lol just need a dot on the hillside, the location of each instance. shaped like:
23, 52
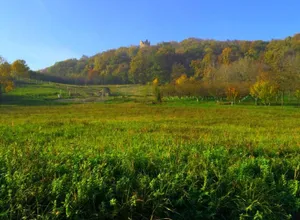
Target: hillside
167, 61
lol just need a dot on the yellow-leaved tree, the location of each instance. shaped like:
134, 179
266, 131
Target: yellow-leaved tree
156, 90
6, 83
225, 58
264, 90
9, 71
19, 68
181, 80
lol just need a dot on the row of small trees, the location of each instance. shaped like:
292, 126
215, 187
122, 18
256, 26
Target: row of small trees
262, 90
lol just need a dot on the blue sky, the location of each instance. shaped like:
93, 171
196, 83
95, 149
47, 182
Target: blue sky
45, 31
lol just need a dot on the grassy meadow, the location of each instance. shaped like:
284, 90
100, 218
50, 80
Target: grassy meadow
122, 158
31, 92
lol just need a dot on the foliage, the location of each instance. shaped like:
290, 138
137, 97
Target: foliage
9, 71
232, 94
177, 70
19, 68
181, 80
156, 90
6, 84
192, 67
264, 90
165, 61
213, 66
297, 95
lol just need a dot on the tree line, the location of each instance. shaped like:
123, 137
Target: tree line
9, 72
267, 70
166, 61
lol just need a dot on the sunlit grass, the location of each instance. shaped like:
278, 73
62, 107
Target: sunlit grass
139, 161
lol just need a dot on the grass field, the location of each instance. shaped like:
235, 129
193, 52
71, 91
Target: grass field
32, 93
132, 160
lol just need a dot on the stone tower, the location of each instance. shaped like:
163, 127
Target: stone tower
145, 43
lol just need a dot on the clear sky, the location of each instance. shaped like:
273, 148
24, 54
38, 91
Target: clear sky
45, 31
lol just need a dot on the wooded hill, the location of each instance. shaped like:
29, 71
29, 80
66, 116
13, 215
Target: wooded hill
217, 67
167, 61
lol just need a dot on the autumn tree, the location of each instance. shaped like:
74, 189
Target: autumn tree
19, 68
297, 95
182, 86
281, 59
232, 93
291, 73
163, 60
226, 56
6, 83
140, 66
240, 74
198, 68
93, 75
177, 70
264, 90
216, 65
157, 91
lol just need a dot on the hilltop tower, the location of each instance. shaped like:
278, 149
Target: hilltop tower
145, 43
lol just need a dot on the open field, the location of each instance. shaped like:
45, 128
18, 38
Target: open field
31, 92
131, 160
137, 161
135, 110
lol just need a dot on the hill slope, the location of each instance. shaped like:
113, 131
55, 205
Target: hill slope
167, 61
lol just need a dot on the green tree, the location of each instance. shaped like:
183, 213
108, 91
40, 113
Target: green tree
198, 68
140, 66
297, 95
178, 69
278, 57
164, 58
157, 91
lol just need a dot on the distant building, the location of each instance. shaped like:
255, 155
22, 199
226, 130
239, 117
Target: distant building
145, 43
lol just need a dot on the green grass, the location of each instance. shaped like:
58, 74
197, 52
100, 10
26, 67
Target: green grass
38, 94
176, 160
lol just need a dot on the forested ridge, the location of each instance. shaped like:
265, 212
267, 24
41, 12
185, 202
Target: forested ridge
267, 70
201, 59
